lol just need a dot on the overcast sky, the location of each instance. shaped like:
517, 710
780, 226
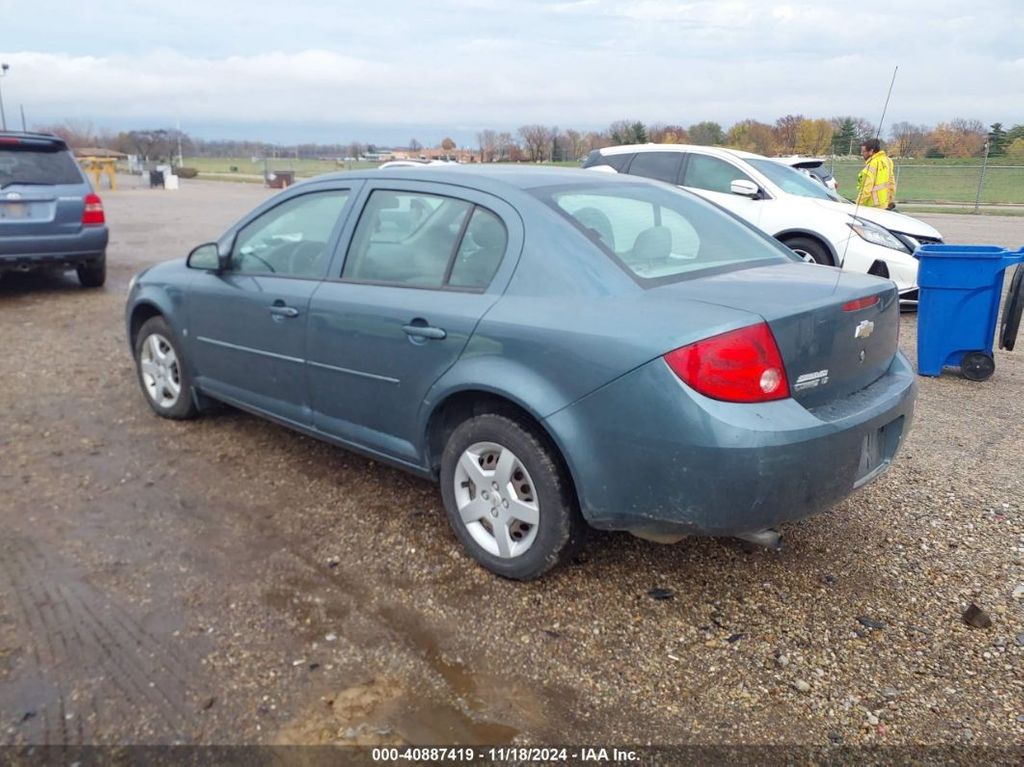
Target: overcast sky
305, 70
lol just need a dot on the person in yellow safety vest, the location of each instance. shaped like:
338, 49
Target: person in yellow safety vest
876, 183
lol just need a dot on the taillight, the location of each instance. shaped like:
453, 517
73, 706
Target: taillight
92, 213
740, 366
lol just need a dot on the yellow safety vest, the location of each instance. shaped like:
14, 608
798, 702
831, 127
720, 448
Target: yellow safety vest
876, 183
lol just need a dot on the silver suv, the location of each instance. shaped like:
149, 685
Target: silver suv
50, 217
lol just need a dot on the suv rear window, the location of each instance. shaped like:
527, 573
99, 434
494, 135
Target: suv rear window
37, 166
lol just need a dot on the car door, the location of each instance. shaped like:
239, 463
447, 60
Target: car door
247, 323
421, 268
710, 177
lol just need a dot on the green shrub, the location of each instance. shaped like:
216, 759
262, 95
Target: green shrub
187, 172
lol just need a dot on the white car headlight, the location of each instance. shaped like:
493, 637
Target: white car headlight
876, 234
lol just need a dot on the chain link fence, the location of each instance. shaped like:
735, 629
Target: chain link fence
994, 184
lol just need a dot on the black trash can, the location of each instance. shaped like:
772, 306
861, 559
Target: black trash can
156, 179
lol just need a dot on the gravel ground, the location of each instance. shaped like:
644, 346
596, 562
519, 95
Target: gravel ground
228, 581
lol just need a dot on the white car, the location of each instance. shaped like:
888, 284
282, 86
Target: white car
814, 222
814, 167
412, 163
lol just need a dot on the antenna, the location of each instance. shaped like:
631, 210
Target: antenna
878, 134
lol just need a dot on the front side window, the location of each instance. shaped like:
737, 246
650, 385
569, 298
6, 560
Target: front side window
661, 166
659, 234
290, 239
424, 240
704, 172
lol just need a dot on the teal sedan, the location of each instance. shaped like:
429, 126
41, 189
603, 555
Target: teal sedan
558, 349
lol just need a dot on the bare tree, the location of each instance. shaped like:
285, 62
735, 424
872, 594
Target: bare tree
787, 130
536, 141
506, 145
908, 139
76, 133
488, 142
577, 144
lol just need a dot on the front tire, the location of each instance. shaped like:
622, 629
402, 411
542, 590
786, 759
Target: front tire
508, 498
811, 251
94, 273
162, 371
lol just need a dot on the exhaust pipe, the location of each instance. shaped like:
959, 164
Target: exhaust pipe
770, 538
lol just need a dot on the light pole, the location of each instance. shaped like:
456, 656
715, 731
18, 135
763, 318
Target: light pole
3, 117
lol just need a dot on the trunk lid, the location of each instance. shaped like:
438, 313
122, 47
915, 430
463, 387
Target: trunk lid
30, 210
830, 344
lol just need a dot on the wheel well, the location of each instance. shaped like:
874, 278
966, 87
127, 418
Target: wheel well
142, 314
786, 237
466, 404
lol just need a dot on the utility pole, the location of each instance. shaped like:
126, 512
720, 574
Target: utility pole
3, 73
23, 128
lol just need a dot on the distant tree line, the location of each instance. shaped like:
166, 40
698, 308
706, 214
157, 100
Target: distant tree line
792, 134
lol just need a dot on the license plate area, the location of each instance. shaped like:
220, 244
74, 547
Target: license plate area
14, 210
877, 450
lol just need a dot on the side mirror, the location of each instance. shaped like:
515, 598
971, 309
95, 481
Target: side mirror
206, 256
745, 188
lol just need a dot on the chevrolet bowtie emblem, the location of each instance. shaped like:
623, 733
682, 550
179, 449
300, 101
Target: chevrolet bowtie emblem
864, 329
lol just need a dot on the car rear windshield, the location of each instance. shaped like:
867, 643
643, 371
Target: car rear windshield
37, 166
659, 234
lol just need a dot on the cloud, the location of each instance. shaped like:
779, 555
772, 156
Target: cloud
481, 62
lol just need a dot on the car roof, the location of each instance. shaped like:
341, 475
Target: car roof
493, 178
715, 151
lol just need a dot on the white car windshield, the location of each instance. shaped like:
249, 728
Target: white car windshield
792, 181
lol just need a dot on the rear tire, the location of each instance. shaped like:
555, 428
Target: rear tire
508, 498
811, 251
162, 371
94, 273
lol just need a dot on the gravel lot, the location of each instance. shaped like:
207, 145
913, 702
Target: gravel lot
228, 581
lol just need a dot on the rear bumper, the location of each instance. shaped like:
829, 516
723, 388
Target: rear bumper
655, 457
53, 251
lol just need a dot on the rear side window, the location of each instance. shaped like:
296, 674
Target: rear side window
415, 239
661, 166
703, 172
35, 166
659, 234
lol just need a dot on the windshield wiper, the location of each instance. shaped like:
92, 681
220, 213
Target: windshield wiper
6, 184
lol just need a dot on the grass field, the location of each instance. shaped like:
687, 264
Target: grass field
919, 181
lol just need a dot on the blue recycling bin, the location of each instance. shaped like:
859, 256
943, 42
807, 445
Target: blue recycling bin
960, 290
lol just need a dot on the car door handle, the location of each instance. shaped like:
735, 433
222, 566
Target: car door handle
278, 309
424, 331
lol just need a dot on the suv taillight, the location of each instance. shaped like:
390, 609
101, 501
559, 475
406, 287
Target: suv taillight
92, 213
740, 366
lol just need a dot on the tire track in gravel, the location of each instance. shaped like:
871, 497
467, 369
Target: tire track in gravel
88, 662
